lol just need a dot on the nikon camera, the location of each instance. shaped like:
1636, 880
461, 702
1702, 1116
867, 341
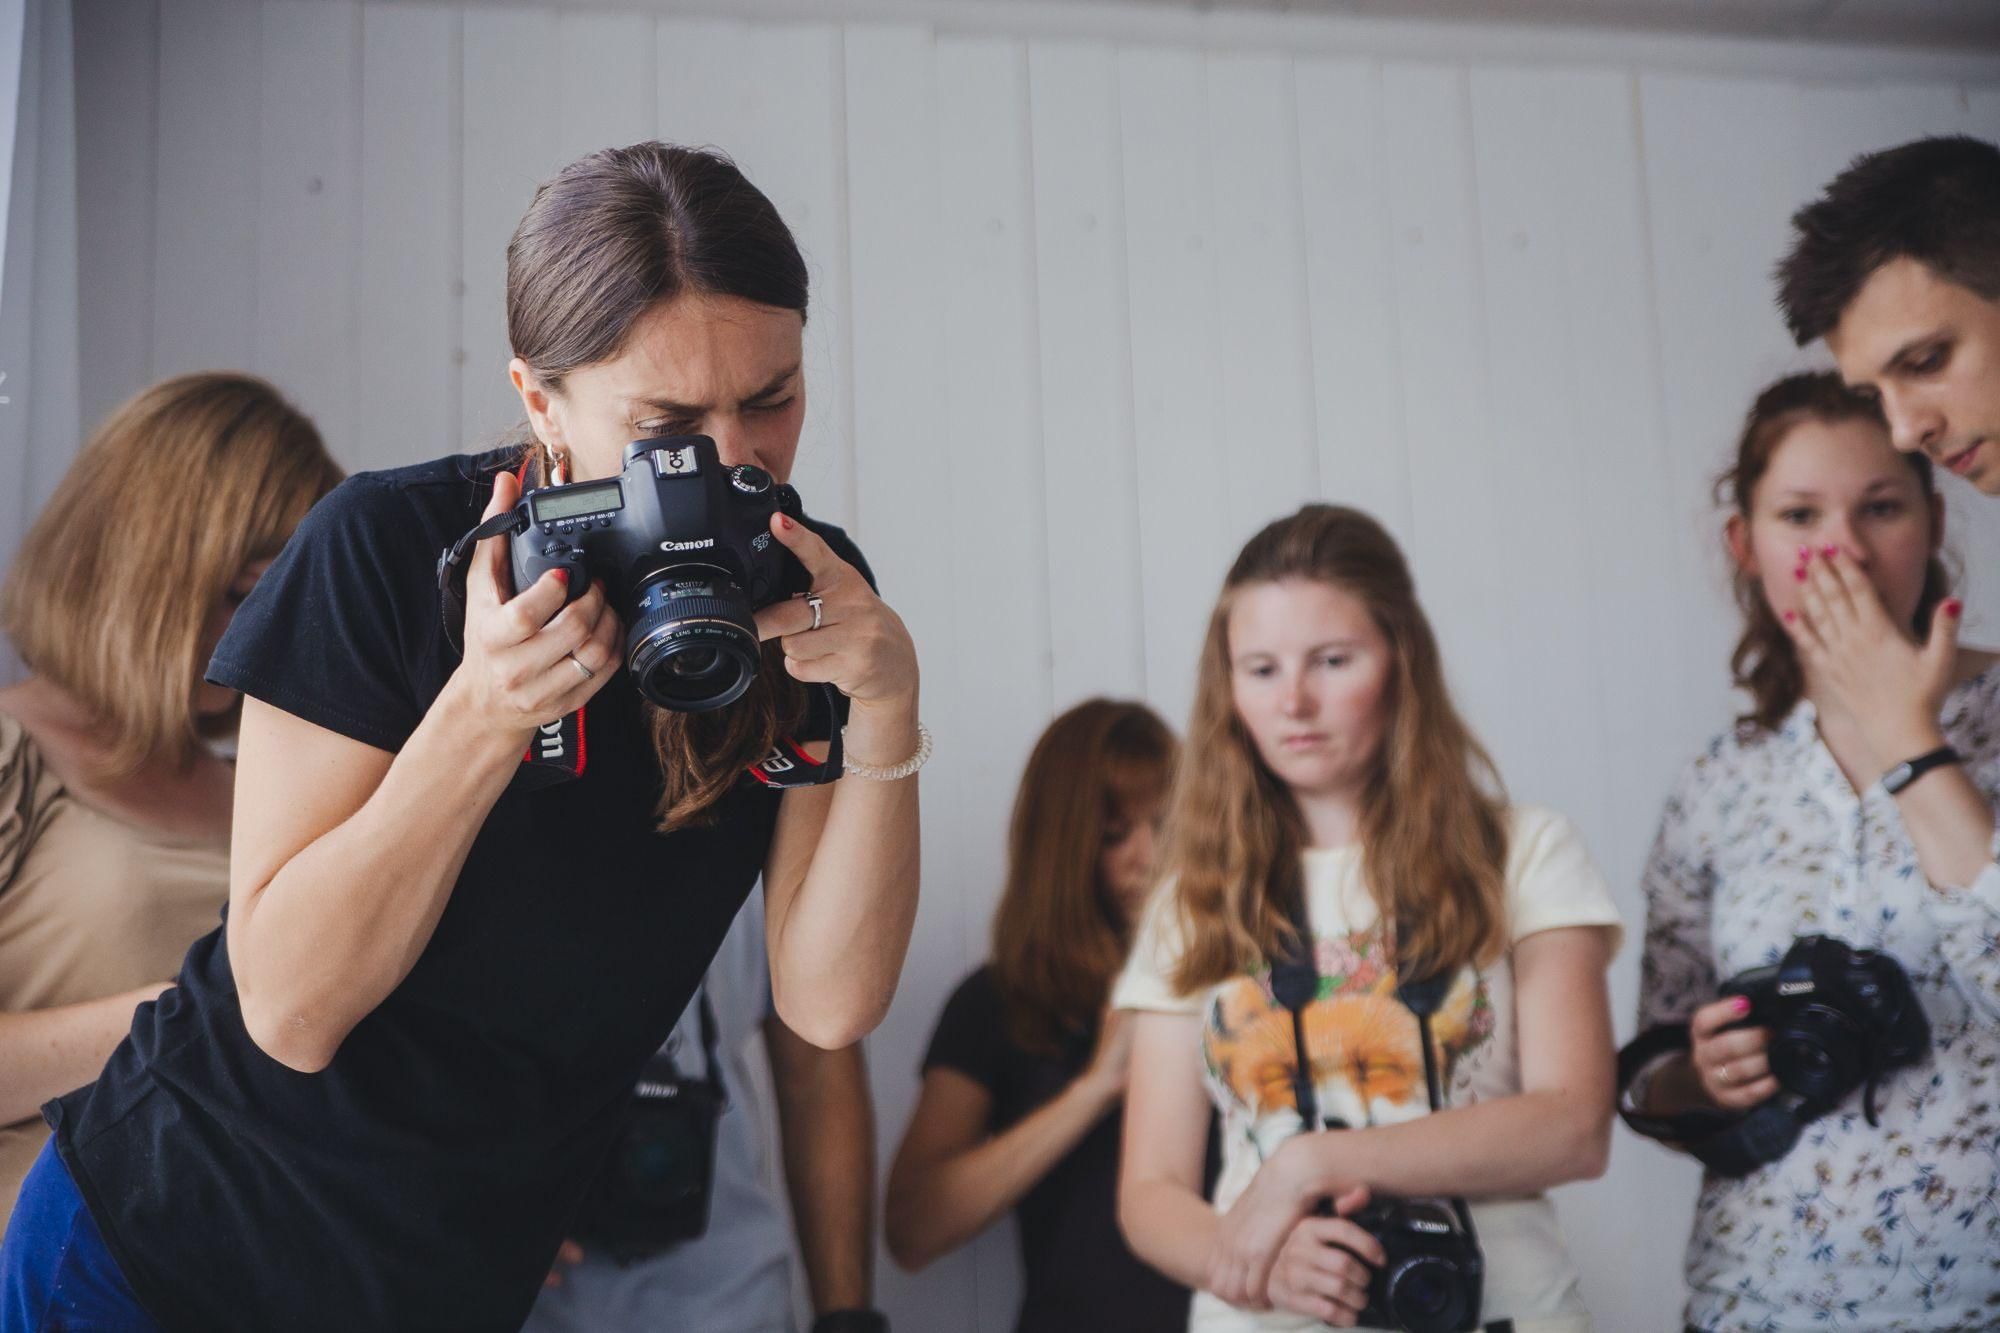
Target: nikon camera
684, 547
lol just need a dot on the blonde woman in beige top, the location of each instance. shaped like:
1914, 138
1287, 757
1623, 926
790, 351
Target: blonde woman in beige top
114, 806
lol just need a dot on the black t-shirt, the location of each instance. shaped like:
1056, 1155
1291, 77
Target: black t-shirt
423, 1180
1080, 1274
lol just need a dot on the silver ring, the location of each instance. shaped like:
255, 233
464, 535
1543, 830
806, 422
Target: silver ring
815, 601
1722, 1074
577, 662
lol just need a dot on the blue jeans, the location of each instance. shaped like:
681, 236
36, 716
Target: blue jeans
56, 1276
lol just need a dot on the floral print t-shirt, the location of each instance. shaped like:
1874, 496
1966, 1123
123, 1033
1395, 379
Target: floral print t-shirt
1366, 1053
1896, 1228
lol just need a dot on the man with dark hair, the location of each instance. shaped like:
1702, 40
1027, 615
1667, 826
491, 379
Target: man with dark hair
1897, 266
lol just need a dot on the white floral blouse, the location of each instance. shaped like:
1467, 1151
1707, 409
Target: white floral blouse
1890, 1228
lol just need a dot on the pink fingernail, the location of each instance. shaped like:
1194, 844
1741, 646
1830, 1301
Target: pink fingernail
1791, 616
1829, 551
1800, 573
1741, 1004
1805, 554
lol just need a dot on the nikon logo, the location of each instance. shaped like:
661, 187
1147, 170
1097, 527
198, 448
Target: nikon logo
687, 546
551, 739
648, 1088
1795, 988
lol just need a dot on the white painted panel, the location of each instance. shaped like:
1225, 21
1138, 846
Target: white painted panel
1461, 553
785, 128
1265, 393
1185, 527
1724, 170
1580, 467
211, 97
510, 145
1091, 494
904, 465
117, 65
1358, 400
604, 82
308, 210
407, 289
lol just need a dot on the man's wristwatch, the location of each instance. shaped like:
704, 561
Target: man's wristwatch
851, 1321
1903, 774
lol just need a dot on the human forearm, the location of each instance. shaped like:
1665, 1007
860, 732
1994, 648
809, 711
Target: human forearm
827, 1126
1170, 1227
1549, 1138
933, 1207
339, 925
838, 947
47, 1052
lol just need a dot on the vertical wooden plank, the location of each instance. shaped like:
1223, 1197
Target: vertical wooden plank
1580, 456
1724, 171
785, 128
1461, 551
406, 302
308, 209
118, 79
904, 475
604, 81
1090, 468
1263, 345
1185, 527
204, 292
509, 146
1357, 381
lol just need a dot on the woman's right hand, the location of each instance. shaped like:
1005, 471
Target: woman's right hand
1731, 1063
1326, 1265
523, 651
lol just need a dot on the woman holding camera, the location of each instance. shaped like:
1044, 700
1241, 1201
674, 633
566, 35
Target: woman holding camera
114, 809
1330, 784
1802, 820
1026, 1066
376, 1097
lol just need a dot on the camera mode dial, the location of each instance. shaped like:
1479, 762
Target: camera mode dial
750, 479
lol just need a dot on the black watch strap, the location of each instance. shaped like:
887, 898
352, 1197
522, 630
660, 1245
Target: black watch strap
851, 1321
1903, 774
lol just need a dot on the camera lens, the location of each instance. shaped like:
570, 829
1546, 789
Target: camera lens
1427, 1295
692, 646
659, 1170
1818, 1055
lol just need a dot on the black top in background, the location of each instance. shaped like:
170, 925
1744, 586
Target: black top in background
1080, 1276
424, 1179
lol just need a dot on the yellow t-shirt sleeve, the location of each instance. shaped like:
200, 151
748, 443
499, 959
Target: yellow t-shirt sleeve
1147, 981
1551, 880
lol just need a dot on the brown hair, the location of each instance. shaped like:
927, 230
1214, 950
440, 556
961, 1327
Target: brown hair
612, 236
1932, 200
178, 490
1058, 936
1432, 826
1766, 663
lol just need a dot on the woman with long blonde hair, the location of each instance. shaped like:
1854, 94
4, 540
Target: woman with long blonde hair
114, 812
1026, 1067
1329, 779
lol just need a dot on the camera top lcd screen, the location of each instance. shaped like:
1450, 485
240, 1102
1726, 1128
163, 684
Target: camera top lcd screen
570, 501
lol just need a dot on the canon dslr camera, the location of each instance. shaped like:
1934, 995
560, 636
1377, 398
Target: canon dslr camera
1433, 1275
1838, 1017
684, 547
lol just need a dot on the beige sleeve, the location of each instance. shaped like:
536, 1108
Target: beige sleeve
1551, 880
1147, 981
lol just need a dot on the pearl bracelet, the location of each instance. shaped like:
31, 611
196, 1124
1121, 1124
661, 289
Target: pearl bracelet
854, 768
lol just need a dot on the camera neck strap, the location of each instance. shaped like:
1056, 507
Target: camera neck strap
1727, 1143
664, 1067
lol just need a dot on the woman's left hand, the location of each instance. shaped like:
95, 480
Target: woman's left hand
860, 648
1866, 666
1256, 1226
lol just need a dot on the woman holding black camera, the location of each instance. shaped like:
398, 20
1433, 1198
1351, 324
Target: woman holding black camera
376, 1096
1336, 816
1828, 810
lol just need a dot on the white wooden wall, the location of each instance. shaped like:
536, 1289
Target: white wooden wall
1088, 310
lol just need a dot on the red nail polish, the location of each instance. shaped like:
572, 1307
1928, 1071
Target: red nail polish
1805, 554
1829, 551
562, 576
1791, 616
1800, 573
1741, 1004
785, 522
1952, 606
